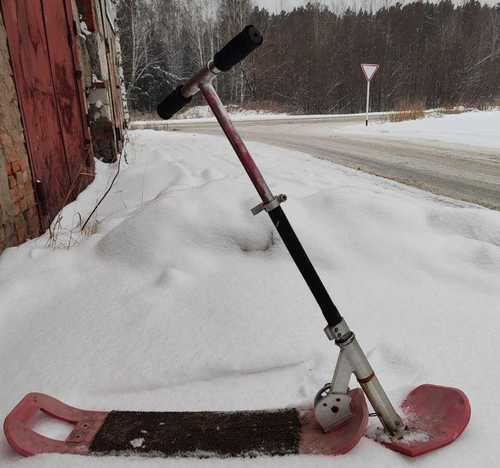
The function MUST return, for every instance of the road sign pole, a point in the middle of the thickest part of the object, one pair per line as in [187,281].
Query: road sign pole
[367,100]
[369,69]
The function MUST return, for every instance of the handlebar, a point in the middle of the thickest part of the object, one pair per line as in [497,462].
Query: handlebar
[172,104]
[237,49]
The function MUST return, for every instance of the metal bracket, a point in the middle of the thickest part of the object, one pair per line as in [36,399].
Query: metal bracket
[332,403]
[211,66]
[270,205]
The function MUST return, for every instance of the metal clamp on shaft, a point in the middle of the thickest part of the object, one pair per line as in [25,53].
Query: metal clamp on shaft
[339,332]
[271,205]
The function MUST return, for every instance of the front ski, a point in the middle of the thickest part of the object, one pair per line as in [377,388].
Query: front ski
[184,434]
[435,416]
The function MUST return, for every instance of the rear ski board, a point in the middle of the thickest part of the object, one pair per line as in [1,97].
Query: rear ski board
[184,434]
[435,417]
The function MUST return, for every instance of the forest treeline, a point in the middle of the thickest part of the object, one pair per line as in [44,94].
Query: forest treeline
[430,54]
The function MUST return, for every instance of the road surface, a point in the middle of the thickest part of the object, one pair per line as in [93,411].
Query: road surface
[462,173]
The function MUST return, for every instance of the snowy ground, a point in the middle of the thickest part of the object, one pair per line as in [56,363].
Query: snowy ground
[476,128]
[181,299]
[197,112]
[205,114]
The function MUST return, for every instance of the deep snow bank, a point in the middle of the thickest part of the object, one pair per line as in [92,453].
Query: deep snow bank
[182,299]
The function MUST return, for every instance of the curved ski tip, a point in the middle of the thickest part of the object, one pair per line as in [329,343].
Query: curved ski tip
[26,442]
[435,415]
[14,426]
[314,441]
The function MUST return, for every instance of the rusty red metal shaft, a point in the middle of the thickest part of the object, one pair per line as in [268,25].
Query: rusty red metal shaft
[237,143]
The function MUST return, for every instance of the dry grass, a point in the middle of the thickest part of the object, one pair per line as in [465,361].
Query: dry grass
[267,106]
[408,112]
[64,234]
[452,110]
[486,106]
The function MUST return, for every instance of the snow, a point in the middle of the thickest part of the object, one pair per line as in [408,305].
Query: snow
[137,443]
[177,298]
[476,128]
[84,29]
[203,112]
[410,436]
[251,116]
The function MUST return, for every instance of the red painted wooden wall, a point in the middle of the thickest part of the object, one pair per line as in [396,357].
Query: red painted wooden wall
[42,42]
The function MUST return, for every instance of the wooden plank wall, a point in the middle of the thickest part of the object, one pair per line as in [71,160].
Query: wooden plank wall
[41,37]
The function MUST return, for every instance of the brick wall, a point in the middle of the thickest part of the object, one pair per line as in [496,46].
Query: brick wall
[19,219]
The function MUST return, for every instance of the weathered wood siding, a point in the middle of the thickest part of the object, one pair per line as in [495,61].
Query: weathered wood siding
[19,219]
[42,37]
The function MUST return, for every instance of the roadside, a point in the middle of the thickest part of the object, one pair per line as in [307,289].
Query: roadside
[457,156]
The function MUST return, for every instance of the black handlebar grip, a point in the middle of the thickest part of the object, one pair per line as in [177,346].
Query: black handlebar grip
[172,104]
[238,48]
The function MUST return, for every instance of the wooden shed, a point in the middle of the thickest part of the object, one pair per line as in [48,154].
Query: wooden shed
[60,106]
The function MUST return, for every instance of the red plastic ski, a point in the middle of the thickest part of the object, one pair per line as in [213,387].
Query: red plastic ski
[25,441]
[435,415]
[198,434]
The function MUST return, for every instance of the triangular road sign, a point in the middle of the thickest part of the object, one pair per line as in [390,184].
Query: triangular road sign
[369,69]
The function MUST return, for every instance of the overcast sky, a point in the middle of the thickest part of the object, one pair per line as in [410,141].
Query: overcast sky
[278,5]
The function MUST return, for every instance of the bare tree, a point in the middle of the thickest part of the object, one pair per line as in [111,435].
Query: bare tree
[431,54]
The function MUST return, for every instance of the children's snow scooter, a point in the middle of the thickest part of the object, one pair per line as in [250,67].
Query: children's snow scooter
[432,416]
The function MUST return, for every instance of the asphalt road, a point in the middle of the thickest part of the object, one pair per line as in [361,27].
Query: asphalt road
[462,173]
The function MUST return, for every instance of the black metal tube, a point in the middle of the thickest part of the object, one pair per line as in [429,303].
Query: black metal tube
[330,311]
